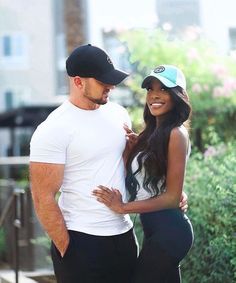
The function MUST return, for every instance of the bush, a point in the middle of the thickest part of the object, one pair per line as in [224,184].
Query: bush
[211,187]
[211,78]
[2,242]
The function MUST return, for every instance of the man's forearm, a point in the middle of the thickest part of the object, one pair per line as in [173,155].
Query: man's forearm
[51,218]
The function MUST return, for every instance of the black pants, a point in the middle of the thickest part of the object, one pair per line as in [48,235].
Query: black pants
[168,238]
[96,259]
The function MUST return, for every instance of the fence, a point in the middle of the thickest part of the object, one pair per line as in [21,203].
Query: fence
[20,224]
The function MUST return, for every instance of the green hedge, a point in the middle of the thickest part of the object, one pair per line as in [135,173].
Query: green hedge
[2,242]
[211,187]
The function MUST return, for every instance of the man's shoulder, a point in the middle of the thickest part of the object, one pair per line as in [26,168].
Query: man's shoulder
[57,123]
[58,118]
[60,112]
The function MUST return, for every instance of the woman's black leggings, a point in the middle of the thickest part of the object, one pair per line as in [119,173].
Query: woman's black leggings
[168,236]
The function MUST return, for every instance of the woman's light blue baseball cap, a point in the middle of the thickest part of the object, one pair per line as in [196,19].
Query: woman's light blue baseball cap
[169,75]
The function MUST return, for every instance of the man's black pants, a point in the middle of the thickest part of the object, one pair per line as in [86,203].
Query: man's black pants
[96,259]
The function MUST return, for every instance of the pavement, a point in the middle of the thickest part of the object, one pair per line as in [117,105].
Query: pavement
[8,276]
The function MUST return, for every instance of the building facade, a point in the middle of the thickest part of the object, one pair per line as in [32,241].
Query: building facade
[215,19]
[27,53]
[36,37]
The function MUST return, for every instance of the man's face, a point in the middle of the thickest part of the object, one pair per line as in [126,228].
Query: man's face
[96,91]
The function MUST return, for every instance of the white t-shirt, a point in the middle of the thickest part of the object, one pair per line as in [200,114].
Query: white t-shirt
[90,143]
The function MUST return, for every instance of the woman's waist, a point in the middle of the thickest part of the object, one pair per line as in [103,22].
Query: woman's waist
[163,219]
[169,212]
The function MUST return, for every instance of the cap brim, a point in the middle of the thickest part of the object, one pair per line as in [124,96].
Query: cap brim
[163,80]
[114,77]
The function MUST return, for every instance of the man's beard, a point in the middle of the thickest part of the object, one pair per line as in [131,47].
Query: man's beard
[97,101]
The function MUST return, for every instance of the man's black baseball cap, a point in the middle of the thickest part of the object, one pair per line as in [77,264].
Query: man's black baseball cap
[89,61]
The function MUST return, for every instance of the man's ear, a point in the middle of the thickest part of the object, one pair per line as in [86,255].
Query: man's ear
[78,82]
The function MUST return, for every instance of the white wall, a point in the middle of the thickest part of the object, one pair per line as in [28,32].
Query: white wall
[122,14]
[217,18]
[34,19]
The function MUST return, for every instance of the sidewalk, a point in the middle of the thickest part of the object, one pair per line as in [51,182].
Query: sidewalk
[8,276]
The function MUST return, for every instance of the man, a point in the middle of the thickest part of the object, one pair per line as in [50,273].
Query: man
[78,147]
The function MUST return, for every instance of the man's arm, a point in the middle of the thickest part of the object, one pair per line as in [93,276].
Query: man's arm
[46,180]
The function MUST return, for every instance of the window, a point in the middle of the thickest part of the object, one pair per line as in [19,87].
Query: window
[61,51]
[120,58]
[117,51]
[14,51]
[15,97]
[178,13]
[6,46]
[232,38]
[8,100]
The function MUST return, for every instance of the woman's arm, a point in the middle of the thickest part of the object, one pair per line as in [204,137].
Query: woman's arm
[177,152]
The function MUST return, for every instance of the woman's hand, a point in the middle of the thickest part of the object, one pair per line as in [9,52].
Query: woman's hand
[112,198]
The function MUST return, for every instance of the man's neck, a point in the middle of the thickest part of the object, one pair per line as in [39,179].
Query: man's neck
[85,105]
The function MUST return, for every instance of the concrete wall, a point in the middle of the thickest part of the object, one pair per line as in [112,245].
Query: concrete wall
[216,19]
[33,77]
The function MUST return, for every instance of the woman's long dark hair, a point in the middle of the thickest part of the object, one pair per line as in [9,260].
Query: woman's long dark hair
[151,148]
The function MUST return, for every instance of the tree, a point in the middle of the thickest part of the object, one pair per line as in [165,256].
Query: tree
[74,23]
[211,79]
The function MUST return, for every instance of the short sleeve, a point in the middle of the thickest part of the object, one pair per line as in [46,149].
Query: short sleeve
[48,144]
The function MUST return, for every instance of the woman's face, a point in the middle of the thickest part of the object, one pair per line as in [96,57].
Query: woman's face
[158,99]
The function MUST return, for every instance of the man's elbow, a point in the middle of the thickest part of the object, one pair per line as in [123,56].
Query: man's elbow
[40,201]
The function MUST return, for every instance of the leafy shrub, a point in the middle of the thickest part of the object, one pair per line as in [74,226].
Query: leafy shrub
[2,241]
[211,187]
[211,78]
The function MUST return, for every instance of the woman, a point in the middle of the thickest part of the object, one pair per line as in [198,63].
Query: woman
[155,178]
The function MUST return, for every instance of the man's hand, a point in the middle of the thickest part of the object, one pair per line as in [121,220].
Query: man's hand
[131,136]
[184,202]
[64,246]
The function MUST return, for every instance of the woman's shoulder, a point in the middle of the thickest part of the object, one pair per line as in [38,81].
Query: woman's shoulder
[179,136]
[179,133]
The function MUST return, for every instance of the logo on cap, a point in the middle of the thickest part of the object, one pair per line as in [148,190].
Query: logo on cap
[109,60]
[159,69]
